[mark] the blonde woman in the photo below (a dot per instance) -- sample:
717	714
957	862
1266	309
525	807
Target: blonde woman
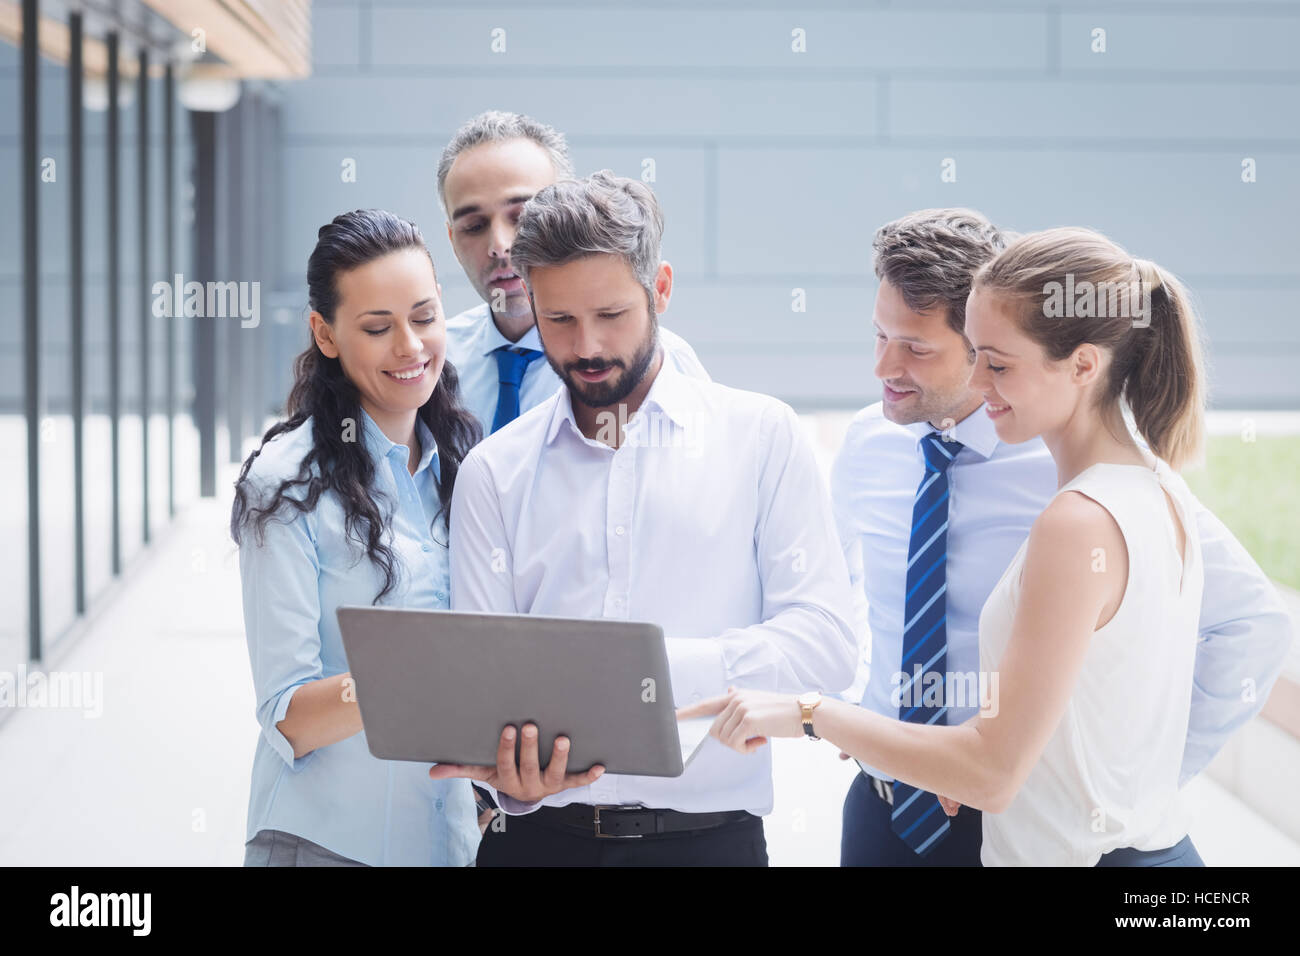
1092	629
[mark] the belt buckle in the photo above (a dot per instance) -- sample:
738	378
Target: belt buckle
884	789
610	836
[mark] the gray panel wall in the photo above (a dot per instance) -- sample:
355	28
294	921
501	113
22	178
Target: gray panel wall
775	167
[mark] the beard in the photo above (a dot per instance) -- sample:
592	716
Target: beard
929	405
613	390
920	407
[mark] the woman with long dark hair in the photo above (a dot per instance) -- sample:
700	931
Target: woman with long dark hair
346	502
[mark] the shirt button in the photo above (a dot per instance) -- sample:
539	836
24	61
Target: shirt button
438	804
427	547
619	531
695	696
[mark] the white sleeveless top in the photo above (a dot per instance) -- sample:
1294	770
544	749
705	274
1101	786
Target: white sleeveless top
1108	777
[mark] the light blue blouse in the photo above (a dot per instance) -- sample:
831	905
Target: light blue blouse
380	812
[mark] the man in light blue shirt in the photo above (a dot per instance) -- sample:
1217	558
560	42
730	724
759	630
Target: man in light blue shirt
494	164
925	263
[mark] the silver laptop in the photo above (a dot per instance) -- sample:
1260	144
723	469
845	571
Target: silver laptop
439	686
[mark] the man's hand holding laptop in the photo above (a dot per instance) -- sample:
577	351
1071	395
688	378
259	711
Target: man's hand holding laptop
524	781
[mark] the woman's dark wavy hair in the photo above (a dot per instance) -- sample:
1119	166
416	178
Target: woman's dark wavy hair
324	394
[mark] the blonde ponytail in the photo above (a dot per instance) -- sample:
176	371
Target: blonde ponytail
1166	388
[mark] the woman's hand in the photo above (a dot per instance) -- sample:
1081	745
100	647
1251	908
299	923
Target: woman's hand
747	718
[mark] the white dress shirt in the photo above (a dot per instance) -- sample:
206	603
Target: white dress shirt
472	337
996	492
711	521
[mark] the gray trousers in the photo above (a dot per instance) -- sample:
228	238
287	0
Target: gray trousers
277	848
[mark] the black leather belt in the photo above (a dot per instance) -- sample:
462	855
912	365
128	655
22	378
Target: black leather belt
630	822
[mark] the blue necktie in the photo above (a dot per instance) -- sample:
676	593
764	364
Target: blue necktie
511	363
917	817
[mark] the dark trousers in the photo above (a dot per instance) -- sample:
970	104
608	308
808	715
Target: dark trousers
520	841
866	838
1182	853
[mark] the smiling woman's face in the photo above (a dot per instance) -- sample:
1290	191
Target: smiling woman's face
389	333
1024	392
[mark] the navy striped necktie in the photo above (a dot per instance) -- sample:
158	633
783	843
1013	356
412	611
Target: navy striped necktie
917	817
511	363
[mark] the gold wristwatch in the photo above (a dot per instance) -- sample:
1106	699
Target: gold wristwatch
807	704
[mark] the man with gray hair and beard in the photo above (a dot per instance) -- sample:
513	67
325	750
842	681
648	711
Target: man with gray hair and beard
494	164
701	510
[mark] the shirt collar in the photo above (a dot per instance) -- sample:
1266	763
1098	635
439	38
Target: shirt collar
428	447
381	446
666	393
975	432
563	413
491	339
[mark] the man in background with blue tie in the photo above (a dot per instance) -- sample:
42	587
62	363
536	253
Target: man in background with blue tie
932	507
494	164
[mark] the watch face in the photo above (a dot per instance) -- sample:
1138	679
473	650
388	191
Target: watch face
809	698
